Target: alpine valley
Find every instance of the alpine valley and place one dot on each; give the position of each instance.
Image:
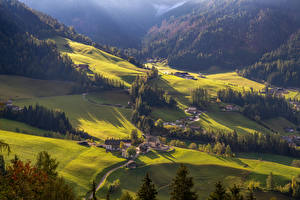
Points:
(150, 99)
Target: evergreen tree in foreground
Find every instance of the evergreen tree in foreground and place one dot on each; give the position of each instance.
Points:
(270, 182)
(181, 186)
(250, 195)
(235, 193)
(147, 191)
(126, 196)
(219, 193)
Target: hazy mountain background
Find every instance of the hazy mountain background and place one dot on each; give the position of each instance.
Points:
(120, 23)
(192, 34)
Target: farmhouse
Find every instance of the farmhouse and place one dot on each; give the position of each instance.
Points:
(114, 145)
(83, 143)
(230, 108)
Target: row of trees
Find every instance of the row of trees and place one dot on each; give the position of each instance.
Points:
(181, 188)
(258, 107)
(255, 142)
(200, 97)
(145, 95)
(43, 118)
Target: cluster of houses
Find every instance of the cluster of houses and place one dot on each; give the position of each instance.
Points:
(292, 140)
(182, 123)
(278, 91)
(121, 145)
(9, 104)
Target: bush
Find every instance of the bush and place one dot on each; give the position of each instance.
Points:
(254, 185)
(296, 163)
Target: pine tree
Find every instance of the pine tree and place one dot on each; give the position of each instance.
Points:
(228, 151)
(235, 193)
(181, 186)
(219, 193)
(94, 190)
(47, 164)
(250, 195)
(270, 182)
(2, 165)
(126, 196)
(147, 190)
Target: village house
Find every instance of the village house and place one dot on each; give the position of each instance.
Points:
(114, 145)
(83, 143)
(231, 108)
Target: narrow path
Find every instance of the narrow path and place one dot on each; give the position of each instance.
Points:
(103, 179)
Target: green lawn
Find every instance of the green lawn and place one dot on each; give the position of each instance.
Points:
(78, 165)
(17, 87)
(98, 120)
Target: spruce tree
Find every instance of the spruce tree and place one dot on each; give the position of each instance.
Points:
(126, 196)
(219, 193)
(235, 193)
(181, 186)
(270, 182)
(250, 195)
(147, 190)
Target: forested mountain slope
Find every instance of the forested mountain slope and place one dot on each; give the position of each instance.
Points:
(23, 50)
(279, 67)
(223, 33)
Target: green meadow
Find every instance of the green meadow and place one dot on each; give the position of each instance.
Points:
(17, 87)
(98, 120)
(77, 164)
(99, 61)
(205, 168)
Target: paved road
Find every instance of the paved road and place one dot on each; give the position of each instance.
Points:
(103, 179)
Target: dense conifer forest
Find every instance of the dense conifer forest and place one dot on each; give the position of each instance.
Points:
(280, 67)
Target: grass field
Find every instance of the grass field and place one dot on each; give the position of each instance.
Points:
(79, 165)
(98, 120)
(14, 126)
(110, 97)
(17, 87)
(99, 61)
(206, 169)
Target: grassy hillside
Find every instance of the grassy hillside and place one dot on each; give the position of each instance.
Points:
(98, 120)
(17, 87)
(79, 165)
(206, 169)
(99, 61)
(15, 126)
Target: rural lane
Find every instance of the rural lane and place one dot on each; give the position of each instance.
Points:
(102, 181)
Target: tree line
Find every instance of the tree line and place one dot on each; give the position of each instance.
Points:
(259, 107)
(43, 118)
(238, 143)
(144, 95)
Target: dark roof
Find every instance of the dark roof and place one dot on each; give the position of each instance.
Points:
(116, 142)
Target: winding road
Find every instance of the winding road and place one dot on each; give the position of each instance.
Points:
(103, 179)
